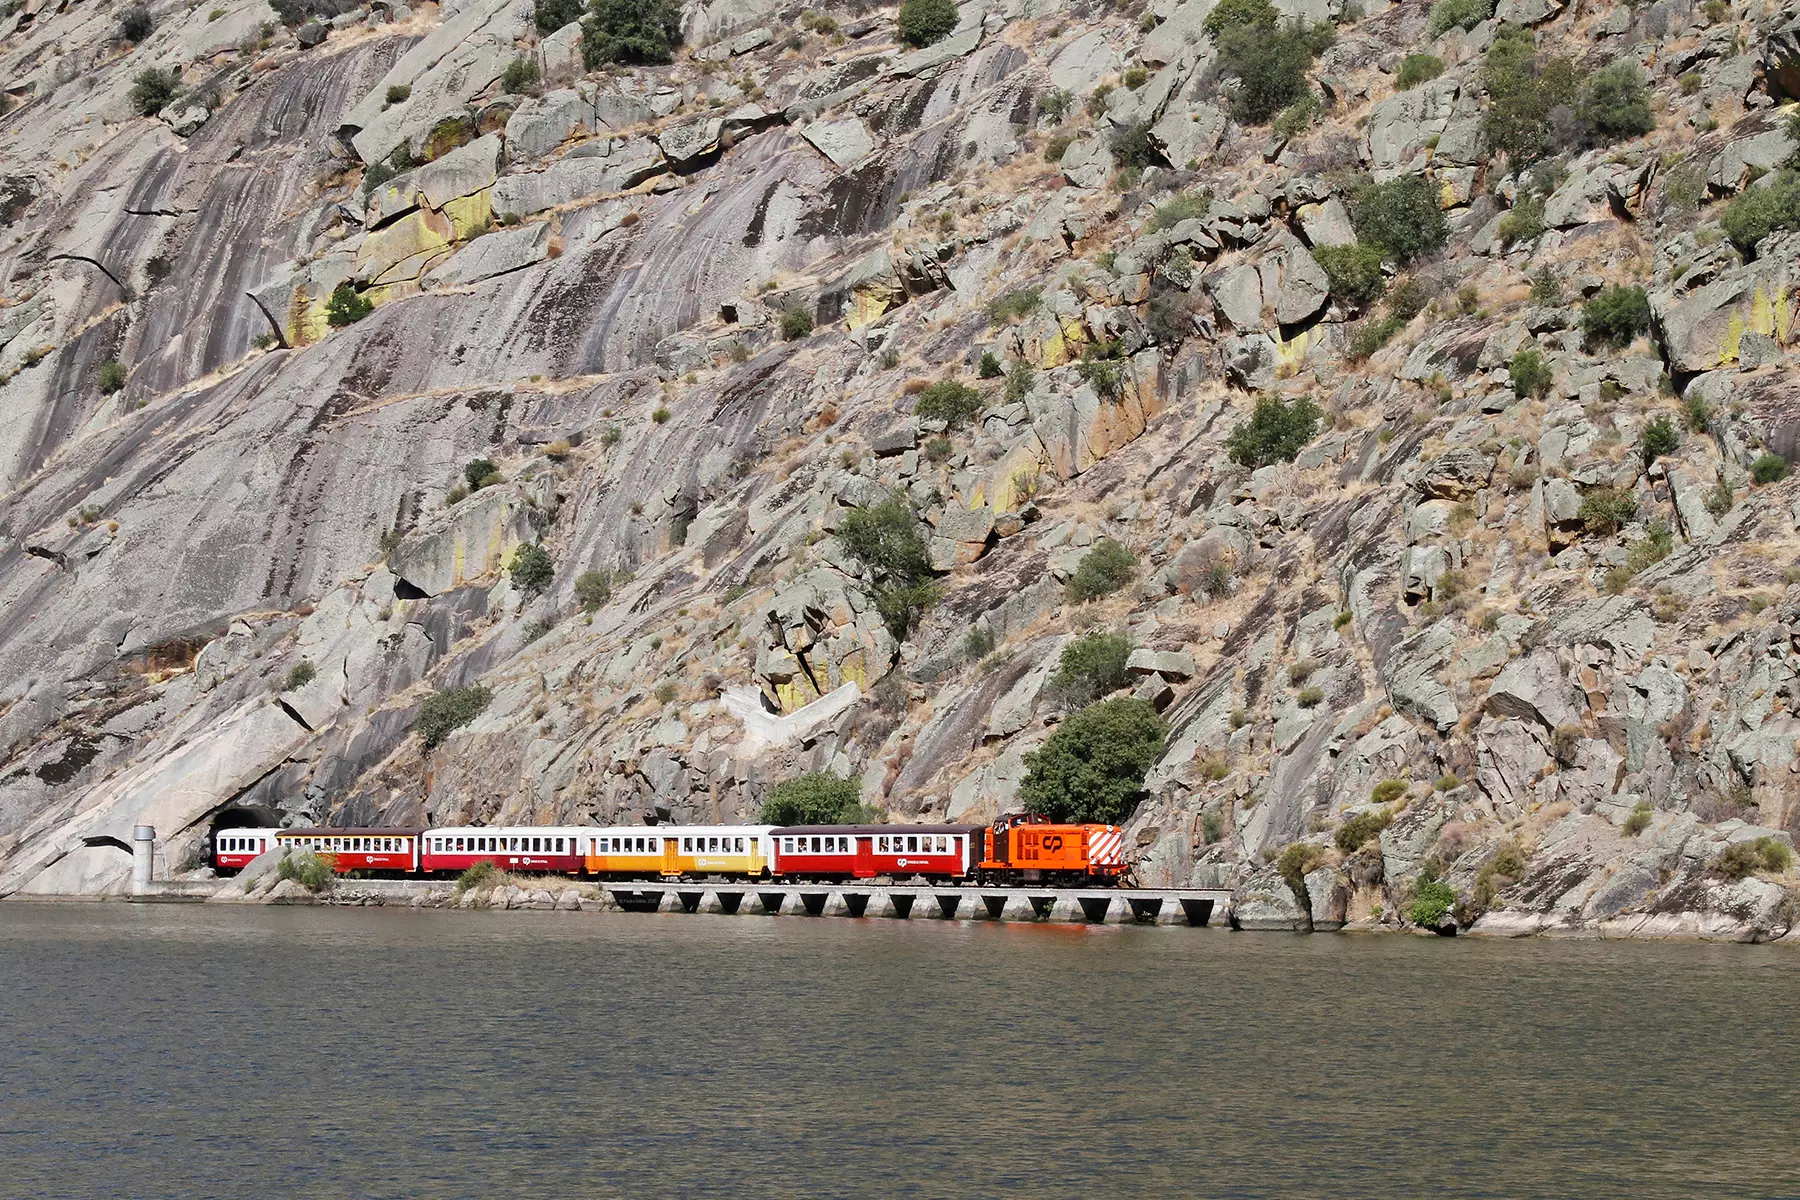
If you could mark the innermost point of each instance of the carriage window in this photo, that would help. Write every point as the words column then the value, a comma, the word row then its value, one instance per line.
column 535, row 845
column 559, row 843
column 712, row 843
column 912, row 844
column 687, row 845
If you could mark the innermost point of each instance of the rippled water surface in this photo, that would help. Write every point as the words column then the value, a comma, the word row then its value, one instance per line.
column 173, row 1051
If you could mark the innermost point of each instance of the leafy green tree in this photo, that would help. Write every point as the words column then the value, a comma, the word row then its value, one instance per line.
column 593, row 590
column 886, row 538
column 153, row 89
column 480, row 472
column 630, row 31
column 1771, row 206
column 1616, row 316
column 1416, row 69
column 449, row 710
column 1451, row 14
column 1353, row 271
column 346, row 305
column 955, row 404
column 1105, row 569
column 1092, row 768
column 135, row 24
column 1431, row 904
column 1276, row 432
column 1401, row 217
column 1660, row 438
column 1240, row 14
column 796, row 323
column 816, row 798
column 1616, row 102
column 923, row 22
column 552, row 15
column 1270, row 64
column 531, row 568
column 1523, row 89
column 989, row 367
column 1091, row 666
column 1529, row 372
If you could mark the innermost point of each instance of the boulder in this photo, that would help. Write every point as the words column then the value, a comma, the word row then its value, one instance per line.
column 1238, row 293
column 1533, row 688
column 1086, row 163
column 1456, row 474
column 1326, row 224
column 1187, row 135
column 687, row 145
column 1304, row 288
column 543, row 123
column 1400, row 125
column 1265, row 902
column 497, row 253
column 609, row 167
column 1703, row 330
column 1171, row 664
column 845, row 142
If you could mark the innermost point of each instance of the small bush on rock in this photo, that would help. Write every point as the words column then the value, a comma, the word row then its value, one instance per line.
column 1768, row 468
column 1616, row 316
column 1092, row 767
column 1093, row 665
column 1605, row 509
column 1760, row 211
column 153, row 89
column 552, row 15
column 1276, row 432
column 1105, row 569
column 477, row 875
column 1616, row 102
column 593, row 590
column 887, row 539
column 480, row 473
column 1401, row 217
column 1270, row 64
column 1741, row 859
column 298, row 676
column 135, row 24
column 112, row 377
column 314, row 872
column 449, row 710
column 531, row 568
column 1530, row 374
column 1353, row 271
column 989, row 367
column 630, row 31
column 955, row 404
column 1524, row 90
column 1388, row 791
column 923, row 22
column 521, row 76
column 1416, row 69
column 1431, row 903
column 1355, row 833
column 1639, row 820
column 1659, row 438
column 347, row 306
column 1240, row 14
column 816, row 798
column 796, row 323
column 1450, row 14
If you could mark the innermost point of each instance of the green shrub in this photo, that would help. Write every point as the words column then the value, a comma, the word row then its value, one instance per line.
column 1270, row 64
column 1524, row 222
column 1352, row 272
column 938, row 450
column 1276, row 432
column 1740, row 859
column 593, row 590
column 1448, row 782
column 153, row 89
column 978, row 644
column 1639, row 820
column 1310, row 697
column 1696, row 413
column 1416, row 69
column 298, row 676
column 1756, row 213
column 1616, row 102
column 1431, row 903
column 1388, row 791
column 1523, row 90
column 1169, row 318
column 1132, row 149
column 989, row 367
column 399, row 93
column 521, row 75
column 531, row 569
column 112, row 377
column 1056, row 104
column 1093, row 665
column 1605, row 509
column 955, row 404
column 346, row 305
column 1768, row 468
column 1240, row 14
column 796, row 323
column 1449, row 14
column 449, row 710
column 552, row 15
column 1057, row 146
column 1135, row 78
column 661, row 414
column 1530, row 374
column 1014, row 305
column 1299, row 116
column 1373, row 335
column 1295, row 862
column 314, row 872
column 1107, row 376
column 480, row 473
column 887, row 539
column 1104, row 569
column 1616, row 316
column 1019, row 381
column 630, row 31
column 1092, row 767
column 1409, row 300
column 1185, row 207
column 1658, row 439
column 1546, row 287
column 923, row 22
column 135, row 24
column 816, row 798
column 1401, row 217
column 477, row 875
column 1355, row 833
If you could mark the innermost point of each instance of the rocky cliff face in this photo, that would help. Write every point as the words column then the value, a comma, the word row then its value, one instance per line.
column 603, row 288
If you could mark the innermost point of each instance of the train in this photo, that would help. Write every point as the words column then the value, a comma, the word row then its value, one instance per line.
column 1016, row 848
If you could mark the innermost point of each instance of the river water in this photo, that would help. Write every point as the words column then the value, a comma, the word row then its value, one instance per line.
column 180, row 1051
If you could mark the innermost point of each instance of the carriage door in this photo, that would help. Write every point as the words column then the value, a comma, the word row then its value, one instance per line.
column 671, row 864
column 863, row 867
